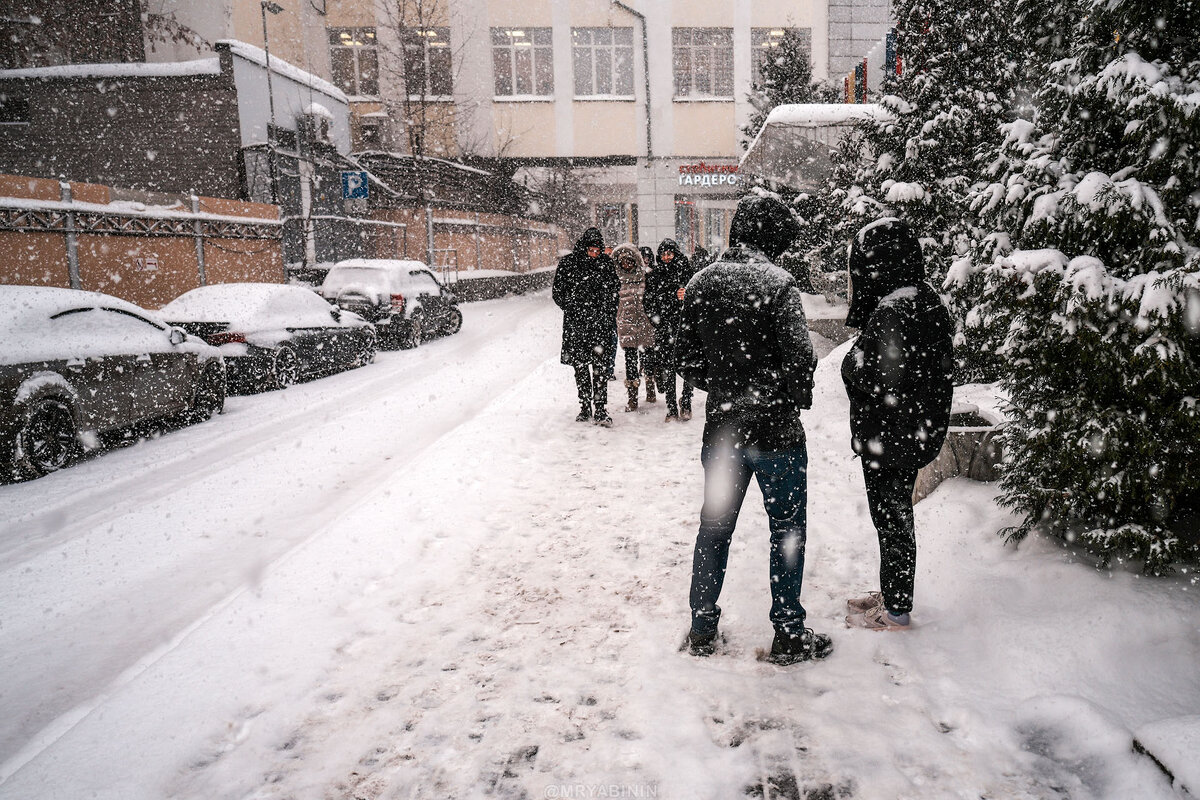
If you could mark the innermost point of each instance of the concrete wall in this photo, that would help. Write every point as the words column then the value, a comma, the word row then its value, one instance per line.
column 147, row 268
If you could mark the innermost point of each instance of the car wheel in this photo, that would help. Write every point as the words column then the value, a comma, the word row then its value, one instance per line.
column 453, row 322
column 47, row 439
column 285, row 367
column 366, row 351
column 411, row 337
column 210, row 396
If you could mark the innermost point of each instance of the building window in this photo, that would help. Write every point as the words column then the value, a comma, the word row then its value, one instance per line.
column 427, row 69
column 613, row 221
column 370, row 134
column 603, row 61
column 523, row 62
column 354, row 61
column 764, row 41
column 703, row 62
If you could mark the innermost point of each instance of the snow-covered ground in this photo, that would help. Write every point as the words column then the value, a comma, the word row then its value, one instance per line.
column 423, row 579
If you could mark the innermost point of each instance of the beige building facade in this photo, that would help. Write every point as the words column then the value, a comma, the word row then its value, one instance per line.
column 643, row 99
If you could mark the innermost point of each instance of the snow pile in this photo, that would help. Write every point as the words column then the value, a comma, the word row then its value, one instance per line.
column 251, row 307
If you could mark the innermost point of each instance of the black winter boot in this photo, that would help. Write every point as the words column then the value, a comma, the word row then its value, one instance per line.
column 807, row 646
column 585, row 413
column 602, row 417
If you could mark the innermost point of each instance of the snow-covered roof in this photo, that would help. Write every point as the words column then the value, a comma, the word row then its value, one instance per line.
column 317, row 110
column 249, row 307
column 815, row 115
column 28, row 334
column 794, row 143
column 137, row 69
column 280, row 67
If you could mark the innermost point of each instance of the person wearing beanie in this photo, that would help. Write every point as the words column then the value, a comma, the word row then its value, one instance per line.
column 743, row 339
column 899, row 377
column 586, row 288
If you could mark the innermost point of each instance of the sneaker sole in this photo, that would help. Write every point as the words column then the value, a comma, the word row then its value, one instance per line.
column 857, row 621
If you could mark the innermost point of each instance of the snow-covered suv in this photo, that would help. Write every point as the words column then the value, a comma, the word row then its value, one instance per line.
column 403, row 298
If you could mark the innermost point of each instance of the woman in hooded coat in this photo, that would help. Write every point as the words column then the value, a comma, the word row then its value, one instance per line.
column 586, row 289
column 634, row 331
column 898, row 376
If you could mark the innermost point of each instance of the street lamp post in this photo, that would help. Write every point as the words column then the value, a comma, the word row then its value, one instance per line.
column 274, row 8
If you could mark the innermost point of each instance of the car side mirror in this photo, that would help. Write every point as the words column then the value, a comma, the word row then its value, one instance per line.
column 336, row 313
column 177, row 336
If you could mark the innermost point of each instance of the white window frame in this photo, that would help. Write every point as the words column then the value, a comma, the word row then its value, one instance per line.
column 359, row 37
column 719, row 57
column 612, row 50
column 427, row 37
column 762, row 40
column 511, row 40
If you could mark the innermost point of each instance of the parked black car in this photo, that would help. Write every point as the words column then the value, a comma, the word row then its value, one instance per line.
column 404, row 299
column 77, row 364
column 271, row 334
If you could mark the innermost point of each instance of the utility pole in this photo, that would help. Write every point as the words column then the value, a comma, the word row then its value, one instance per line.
column 274, row 8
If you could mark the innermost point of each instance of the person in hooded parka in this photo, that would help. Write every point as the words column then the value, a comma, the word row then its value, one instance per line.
column 663, row 301
column 898, row 376
column 650, row 368
column 743, row 339
column 634, row 331
column 586, row 288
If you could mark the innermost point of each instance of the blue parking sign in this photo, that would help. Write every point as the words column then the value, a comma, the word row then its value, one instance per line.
column 355, row 186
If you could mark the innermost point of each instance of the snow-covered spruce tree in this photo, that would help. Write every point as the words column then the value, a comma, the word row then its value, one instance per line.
column 784, row 77
column 1094, row 286
column 943, row 115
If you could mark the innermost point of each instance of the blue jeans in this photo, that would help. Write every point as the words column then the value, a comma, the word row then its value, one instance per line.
column 783, row 478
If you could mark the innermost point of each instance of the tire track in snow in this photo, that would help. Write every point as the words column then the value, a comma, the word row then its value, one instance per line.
column 159, row 479
column 53, row 718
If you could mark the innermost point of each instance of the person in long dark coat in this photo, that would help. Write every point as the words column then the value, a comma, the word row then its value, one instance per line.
column 898, row 376
column 743, row 339
column 586, row 288
column 663, row 301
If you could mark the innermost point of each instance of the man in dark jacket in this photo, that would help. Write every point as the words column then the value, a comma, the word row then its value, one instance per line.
column 898, row 377
column 587, row 289
column 663, row 301
column 743, row 339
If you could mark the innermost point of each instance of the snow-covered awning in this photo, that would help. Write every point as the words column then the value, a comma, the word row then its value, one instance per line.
column 794, row 144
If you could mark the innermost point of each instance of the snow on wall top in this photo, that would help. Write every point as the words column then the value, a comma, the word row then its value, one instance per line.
column 138, row 69
column 258, row 56
column 816, row 115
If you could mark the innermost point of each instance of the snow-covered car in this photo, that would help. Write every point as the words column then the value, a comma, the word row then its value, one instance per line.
column 271, row 334
column 75, row 364
column 404, row 299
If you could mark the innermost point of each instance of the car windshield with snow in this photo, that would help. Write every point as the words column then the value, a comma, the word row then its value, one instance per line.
column 403, row 298
column 273, row 335
column 76, row 364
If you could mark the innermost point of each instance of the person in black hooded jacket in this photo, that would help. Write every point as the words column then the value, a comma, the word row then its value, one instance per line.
column 587, row 289
column 663, row 300
column 743, row 339
column 898, row 376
